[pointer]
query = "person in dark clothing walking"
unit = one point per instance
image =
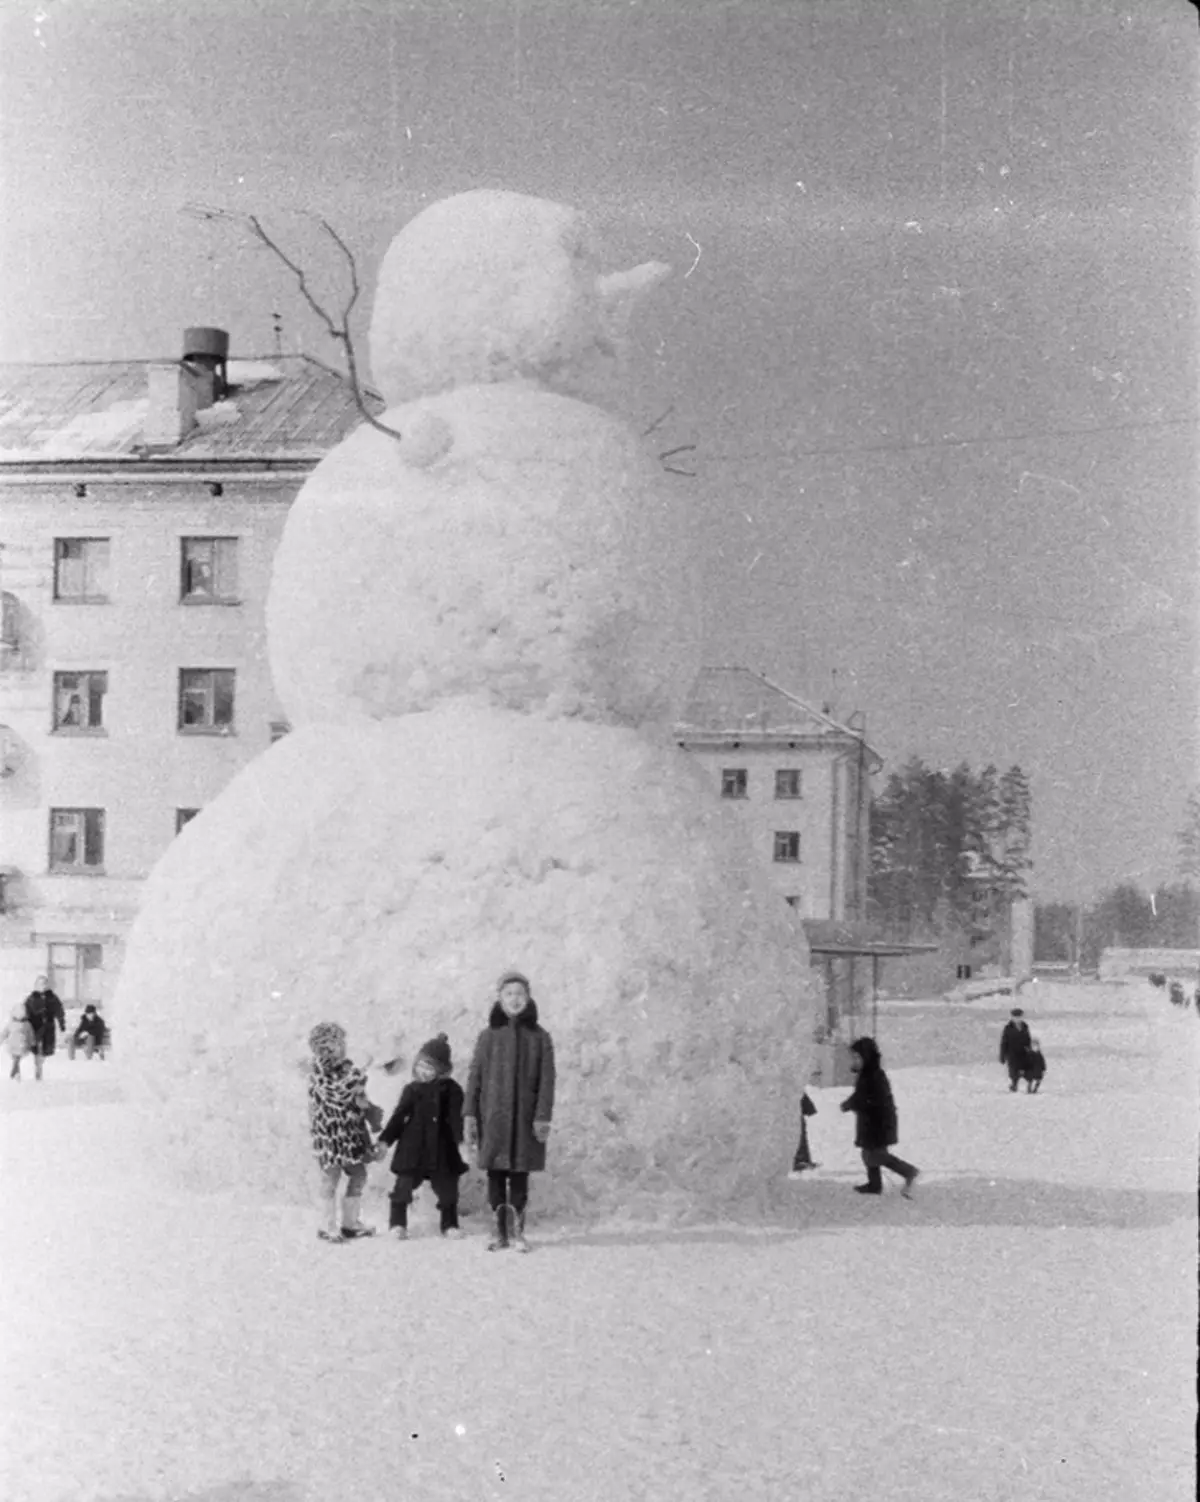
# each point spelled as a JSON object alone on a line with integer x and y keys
{"x": 803, "y": 1159}
{"x": 427, "y": 1127}
{"x": 877, "y": 1129}
{"x": 1014, "y": 1045}
{"x": 1035, "y": 1067}
{"x": 509, "y": 1105}
{"x": 46, "y": 1018}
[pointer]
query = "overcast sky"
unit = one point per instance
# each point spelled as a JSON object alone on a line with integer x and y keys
{"x": 931, "y": 328}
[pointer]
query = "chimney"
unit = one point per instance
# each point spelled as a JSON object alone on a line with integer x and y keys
{"x": 177, "y": 390}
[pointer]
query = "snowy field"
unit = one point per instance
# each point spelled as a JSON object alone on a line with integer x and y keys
{"x": 1024, "y": 1328}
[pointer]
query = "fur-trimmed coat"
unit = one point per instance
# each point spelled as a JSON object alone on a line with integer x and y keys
{"x": 509, "y": 1087}
{"x": 427, "y": 1126}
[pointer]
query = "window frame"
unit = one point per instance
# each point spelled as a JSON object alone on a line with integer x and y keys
{"x": 95, "y": 837}
{"x": 790, "y": 772}
{"x": 210, "y": 725}
{"x": 741, "y": 782}
{"x": 75, "y": 995}
{"x": 223, "y": 592}
{"x": 87, "y": 595}
{"x": 792, "y": 836}
{"x": 86, "y": 692}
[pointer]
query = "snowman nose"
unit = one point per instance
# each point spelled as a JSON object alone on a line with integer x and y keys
{"x": 616, "y": 284}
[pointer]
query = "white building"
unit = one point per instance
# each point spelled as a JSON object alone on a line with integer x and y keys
{"x": 802, "y": 779}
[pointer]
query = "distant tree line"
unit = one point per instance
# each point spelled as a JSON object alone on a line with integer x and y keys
{"x": 949, "y": 852}
{"x": 1123, "y": 917}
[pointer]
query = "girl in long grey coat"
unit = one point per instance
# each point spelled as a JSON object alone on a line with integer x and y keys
{"x": 509, "y": 1104}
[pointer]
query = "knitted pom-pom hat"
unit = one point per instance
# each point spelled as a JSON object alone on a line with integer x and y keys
{"x": 437, "y": 1051}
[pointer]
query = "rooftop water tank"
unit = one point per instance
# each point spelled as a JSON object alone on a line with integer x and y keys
{"x": 206, "y": 344}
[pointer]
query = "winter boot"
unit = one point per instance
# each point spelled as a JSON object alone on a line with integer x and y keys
{"x": 909, "y": 1181}
{"x": 352, "y": 1226}
{"x": 499, "y": 1241}
{"x": 448, "y": 1215}
{"x": 519, "y": 1234}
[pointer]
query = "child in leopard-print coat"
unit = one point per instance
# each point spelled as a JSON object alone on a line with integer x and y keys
{"x": 339, "y": 1117}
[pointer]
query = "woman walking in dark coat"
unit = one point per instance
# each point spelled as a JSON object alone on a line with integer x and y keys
{"x": 510, "y": 1101}
{"x": 877, "y": 1129}
{"x": 46, "y": 1018}
{"x": 427, "y": 1126}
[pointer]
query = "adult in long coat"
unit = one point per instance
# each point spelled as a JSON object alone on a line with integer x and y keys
{"x": 876, "y": 1124}
{"x": 510, "y": 1103}
{"x": 46, "y": 1018}
{"x": 1015, "y": 1043}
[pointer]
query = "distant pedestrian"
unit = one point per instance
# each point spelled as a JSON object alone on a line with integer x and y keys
{"x": 339, "y": 1113}
{"x": 1177, "y": 994}
{"x": 47, "y": 1018}
{"x": 17, "y": 1037}
{"x": 509, "y": 1105}
{"x": 427, "y": 1127}
{"x": 877, "y": 1128}
{"x": 1014, "y": 1045}
{"x": 803, "y": 1159}
{"x": 1035, "y": 1068}
{"x": 91, "y": 1033}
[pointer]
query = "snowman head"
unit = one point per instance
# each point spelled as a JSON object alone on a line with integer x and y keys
{"x": 490, "y": 286}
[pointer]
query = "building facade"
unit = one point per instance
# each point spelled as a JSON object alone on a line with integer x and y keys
{"x": 141, "y": 504}
{"x": 800, "y": 778}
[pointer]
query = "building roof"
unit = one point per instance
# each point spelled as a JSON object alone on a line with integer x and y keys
{"x": 282, "y": 407}
{"x": 735, "y": 702}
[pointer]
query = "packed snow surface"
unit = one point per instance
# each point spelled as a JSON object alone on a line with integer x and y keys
{"x": 541, "y": 559}
{"x": 384, "y": 874}
{"x": 1022, "y": 1331}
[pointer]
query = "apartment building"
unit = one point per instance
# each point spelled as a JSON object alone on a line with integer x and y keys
{"x": 800, "y": 778}
{"x": 140, "y": 506}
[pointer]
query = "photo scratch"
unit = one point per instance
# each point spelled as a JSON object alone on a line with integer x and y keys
{"x": 696, "y": 262}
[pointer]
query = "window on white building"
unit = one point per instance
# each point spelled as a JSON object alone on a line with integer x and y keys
{"x": 76, "y": 839}
{"x": 787, "y": 783}
{"x": 206, "y": 699}
{"x": 76, "y": 973}
{"x": 79, "y": 701}
{"x": 733, "y": 782}
{"x": 208, "y": 571}
{"x": 184, "y": 816}
{"x": 81, "y": 569}
{"x": 787, "y": 845}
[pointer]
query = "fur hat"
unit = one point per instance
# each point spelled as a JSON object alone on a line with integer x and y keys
{"x": 327, "y": 1039}
{"x": 513, "y": 975}
{"x": 1017, "y": 1012}
{"x": 867, "y": 1049}
{"x": 437, "y": 1051}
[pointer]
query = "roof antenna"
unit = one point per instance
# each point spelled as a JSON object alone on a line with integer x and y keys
{"x": 277, "y": 326}
{"x": 828, "y": 707}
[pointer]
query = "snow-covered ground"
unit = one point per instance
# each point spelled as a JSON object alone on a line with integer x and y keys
{"x": 1024, "y": 1328}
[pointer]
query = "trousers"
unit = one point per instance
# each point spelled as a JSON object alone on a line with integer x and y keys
{"x": 876, "y": 1158}
{"x": 445, "y": 1188}
{"x": 504, "y": 1185}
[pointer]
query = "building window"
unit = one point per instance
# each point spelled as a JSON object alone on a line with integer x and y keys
{"x": 79, "y": 700}
{"x": 733, "y": 782}
{"x": 208, "y": 571}
{"x": 81, "y": 569}
{"x": 206, "y": 699}
{"x": 793, "y": 901}
{"x": 76, "y": 973}
{"x": 787, "y": 845}
{"x": 184, "y": 816}
{"x": 76, "y": 839}
{"x": 787, "y": 783}
{"x": 280, "y": 728}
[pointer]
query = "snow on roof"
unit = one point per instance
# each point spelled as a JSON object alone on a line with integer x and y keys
{"x": 737, "y": 701}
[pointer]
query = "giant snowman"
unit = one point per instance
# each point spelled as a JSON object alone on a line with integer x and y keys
{"x": 482, "y": 624}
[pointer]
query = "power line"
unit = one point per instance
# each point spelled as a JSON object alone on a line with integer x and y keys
{"x": 893, "y": 446}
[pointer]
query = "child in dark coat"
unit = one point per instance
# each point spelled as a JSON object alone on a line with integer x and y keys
{"x": 427, "y": 1127}
{"x": 510, "y": 1102}
{"x": 875, "y": 1114}
{"x": 1035, "y": 1068}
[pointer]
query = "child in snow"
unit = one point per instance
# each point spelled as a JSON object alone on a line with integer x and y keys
{"x": 875, "y": 1113}
{"x": 427, "y": 1126}
{"x": 17, "y": 1037}
{"x": 90, "y": 1034}
{"x": 1035, "y": 1067}
{"x": 338, "y": 1116}
{"x": 803, "y": 1158}
{"x": 510, "y": 1100}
